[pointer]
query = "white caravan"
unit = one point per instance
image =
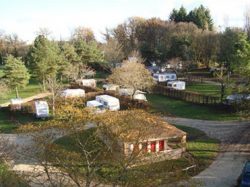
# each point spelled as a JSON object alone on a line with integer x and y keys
{"x": 87, "y": 82}
{"x": 73, "y": 93}
{"x": 177, "y": 85}
{"x": 108, "y": 102}
{"x": 164, "y": 77}
{"x": 139, "y": 95}
{"x": 42, "y": 109}
{"x": 111, "y": 87}
{"x": 16, "y": 104}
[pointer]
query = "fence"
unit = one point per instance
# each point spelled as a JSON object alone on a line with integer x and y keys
{"x": 200, "y": 79}
{"x": 187, "y": 96}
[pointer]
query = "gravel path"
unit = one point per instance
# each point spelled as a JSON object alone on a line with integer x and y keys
{"x": 235, "y": 150}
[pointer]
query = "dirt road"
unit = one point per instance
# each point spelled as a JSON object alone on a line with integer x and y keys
{"x": 235, "y": 150}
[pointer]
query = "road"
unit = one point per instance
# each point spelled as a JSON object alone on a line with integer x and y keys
{"x": 234, "y": 150}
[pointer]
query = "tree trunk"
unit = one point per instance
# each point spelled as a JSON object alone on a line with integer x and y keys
{"x": 17, "y": 94}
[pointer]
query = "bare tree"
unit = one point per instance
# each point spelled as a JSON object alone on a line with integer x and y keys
{"x": 247, "y": 21}
{"x": 132, "y": 74}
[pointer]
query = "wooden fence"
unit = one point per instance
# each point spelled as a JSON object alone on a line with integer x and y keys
{"x": 187, "y": 96}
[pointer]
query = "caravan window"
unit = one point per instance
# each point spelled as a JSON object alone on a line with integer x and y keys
{"x": 173, "y": 76}
{"x": 174, "y": 85}
{"x": 167, "y": 77}
{"x": 105, "y": 103}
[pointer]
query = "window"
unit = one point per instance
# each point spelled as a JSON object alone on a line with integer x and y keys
{"x": 173, "y": 77}
{"x": 161, "y": 145}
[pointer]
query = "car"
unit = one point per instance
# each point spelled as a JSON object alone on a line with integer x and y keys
{"x": 245, "y": 175}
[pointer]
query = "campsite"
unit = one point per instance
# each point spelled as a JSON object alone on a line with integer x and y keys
{"x": 144, "y": 101}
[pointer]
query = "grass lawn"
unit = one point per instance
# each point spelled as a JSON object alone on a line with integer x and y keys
{"x": 204, "y": 88}
{"x": 169, "y": 106}
{"x": 201, "y": 151}
{"x": 31, "y": 89}
{"x": 9, "y": 121}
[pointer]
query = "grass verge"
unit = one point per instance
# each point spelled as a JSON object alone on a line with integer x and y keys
{"x": 169, "y": 106}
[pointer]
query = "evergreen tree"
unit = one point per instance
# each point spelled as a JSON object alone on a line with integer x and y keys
{"x": 16, "y": 74}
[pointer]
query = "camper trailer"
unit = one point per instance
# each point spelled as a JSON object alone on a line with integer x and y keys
{"x": 109, "y": 102}
{"x": 177, "y": 85}
{"x": 99, "y": 107}
{"x": 87, "y": 82}
{"x": 73, "y": 93}
{"x": 164, "y": 77}
{"x": 41, "y": 109}
{"x": 110, "y": 87}
{"x": 16, "y": 104}
{"x": 139, "y": 95}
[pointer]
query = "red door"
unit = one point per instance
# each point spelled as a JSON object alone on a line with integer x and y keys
{"x": 153, "y": 145}
{"x": 161, "y": 145}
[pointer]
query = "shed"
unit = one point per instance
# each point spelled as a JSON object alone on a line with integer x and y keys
{"x": 177, "y": 85}
{"x": 73, "y": 93}
{"x": 109, "y": 102}
{"x": 144, "y": 134}
{"x": 42, "y": 109}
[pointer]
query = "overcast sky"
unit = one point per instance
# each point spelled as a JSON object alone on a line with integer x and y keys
{"x": 25, "y": 17}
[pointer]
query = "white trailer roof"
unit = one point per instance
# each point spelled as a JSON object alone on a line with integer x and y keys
{"x": 108, "y": 98}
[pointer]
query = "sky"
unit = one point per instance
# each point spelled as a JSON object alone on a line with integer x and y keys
{"x": 25, "y": 17}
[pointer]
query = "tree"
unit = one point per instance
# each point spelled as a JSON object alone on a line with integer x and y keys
{"x": 45, "y": 59}
{"x": 132, "y": 74}
{"x": 113, "y": 52}
{"x": 247, "y": 22}
{"x": 178, "y": 15}
{"x": 4, "y": 89}
{"x": 83, "y": 33}
{"x": 88, "y": 52}
{"x": 16, "y": 74}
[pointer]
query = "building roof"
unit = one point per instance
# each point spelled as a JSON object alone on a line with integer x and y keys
{"x": 138, "y": 125}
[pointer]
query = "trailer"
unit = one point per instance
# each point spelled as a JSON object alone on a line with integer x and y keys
{"x": 70, "y": 93}
{"x": 177, "y": 85}
{"x": 16, "y": 104}
{"x": 110, "y": 87}
{"x": 139, "y": 95}
{"x": 41, "y": 109}
{"x": 164, "y": 77}
{"x": 109, "y": 102}
{"x": 97, "y": 106}
{"x": 87, "y": 82}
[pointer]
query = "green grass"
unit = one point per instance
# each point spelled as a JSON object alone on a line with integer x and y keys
{"x": 203, "y": 148}
{"x": 201, "y": 151}
{"x": 178, "y": 108}
{"x": 31, "y": 89}
{"x": 204, "y": 88}
{"x": 9, "y": 121}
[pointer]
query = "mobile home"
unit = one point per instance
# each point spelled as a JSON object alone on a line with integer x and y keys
{"x": 87, "y": 82}
{"x": 73, "y": 93}
{"x": 41, "y": 109}
{"x": 177, "y": 85}
{"x": 109, "y": 102}
{"x": 164, "y": 77}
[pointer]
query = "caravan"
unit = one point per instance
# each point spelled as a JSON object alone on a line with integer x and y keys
{"x": 177, "y": 85}
{"x": 42, "y": 109}
{"x": 109, "y": 102}
{"x": 87, "y": 82}
{"x": 73, "y": 93}
{"x": 164, "y": 77}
